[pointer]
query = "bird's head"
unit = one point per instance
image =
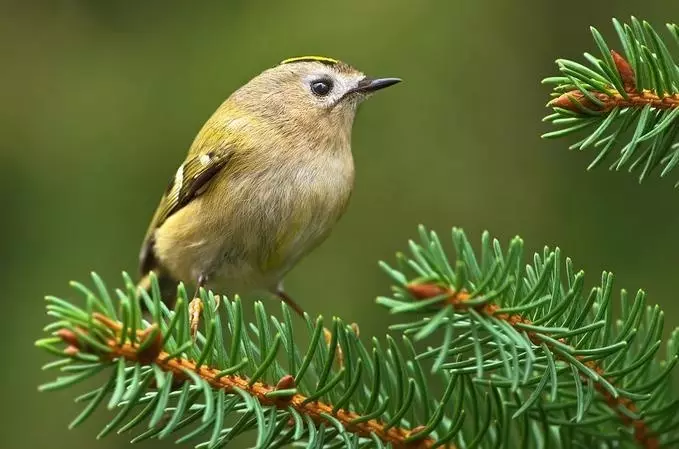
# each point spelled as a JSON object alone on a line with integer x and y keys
{"x": 308, "y": 95}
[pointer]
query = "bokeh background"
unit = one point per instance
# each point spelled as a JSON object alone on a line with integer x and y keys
{"x": 100, "y": 100}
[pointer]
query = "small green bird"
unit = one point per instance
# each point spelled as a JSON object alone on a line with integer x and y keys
{"x": 264, "y": 182}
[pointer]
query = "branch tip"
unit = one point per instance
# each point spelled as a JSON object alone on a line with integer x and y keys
{"x": 71, "y": 351}
{"x": 425, "y": 290}
{"x": 625, "y": 71}
{"x": 574, "y": 100}
{"x": 69, "y": 337}
{"x": 286, "y": 382}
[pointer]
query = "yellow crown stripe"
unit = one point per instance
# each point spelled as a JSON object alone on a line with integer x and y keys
{"x": 321, "y": 59}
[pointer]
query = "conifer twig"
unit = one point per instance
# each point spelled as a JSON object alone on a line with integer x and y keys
{"x": 460, "y": 301}
{"x": 631, "y": 95}
{"x": 575, "y": 99}
{"x": 334, "y": 391}
{"x": 318, "y": 411}
{"x": 534, "y": 333}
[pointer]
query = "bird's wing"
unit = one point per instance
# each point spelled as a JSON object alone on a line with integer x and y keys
{"x": 191, "y": 180}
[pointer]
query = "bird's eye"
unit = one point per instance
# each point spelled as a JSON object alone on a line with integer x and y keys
{"x": 321, "y": 87}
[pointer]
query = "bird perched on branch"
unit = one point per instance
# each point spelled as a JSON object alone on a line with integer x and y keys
{"x": 264, "y": 182}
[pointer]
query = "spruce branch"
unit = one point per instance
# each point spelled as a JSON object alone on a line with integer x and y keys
{"x": 241, "y": 376}
{"x": 534, "y": 332}
{"x": 459, "y": 301}
{"x": 630, "y": 97}
{"x": 526, "y": 356}
{"x": 281, "y": 395}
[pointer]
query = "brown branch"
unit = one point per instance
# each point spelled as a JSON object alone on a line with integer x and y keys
{"x": 574, "y": 99}
{"x": 152, "y": 353}
{"x": 642, "y": 433}
{"x": 570, "y": 100}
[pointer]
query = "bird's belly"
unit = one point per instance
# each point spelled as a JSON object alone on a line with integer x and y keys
{"x": 268, "y": 245}
{"x": 251, "y": 238}
{"x": 285, "y": 224}
{"x": 247, "y": 274}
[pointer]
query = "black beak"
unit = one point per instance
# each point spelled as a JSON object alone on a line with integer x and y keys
{"x": 373, "y": 84}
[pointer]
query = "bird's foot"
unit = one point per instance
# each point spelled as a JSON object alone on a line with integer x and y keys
{"x": 289, "y": 301}
{"x": 196, "y": 306}
{"x": 195, "y": 309}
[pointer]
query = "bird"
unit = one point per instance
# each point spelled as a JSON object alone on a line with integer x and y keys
{"x": 263, "y": 184}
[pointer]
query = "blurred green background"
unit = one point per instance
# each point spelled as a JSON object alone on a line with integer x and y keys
{"x": 100, "y": 101}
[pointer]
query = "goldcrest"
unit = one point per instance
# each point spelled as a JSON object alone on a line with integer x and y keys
{"x": 263, "y": 184}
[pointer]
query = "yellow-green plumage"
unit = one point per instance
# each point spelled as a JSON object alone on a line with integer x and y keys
{"x": 264, "y": 181}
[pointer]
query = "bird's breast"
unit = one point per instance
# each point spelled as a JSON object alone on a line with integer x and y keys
{"x": 318, "y": 195}
{"x": 275, "y": 214}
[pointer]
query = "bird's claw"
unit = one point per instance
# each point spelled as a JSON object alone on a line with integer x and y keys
{"x": 195, "y": 309}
